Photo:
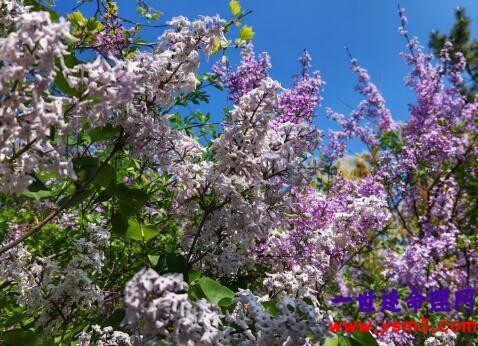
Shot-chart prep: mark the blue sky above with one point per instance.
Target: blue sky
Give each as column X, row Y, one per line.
column 324, row 28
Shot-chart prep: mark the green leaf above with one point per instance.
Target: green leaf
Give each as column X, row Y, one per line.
column 105, row 195
column 344, row 341
column 271, row 307
column 86, row 166
column 119, row 224
column 102, row 133
column 37, row 190
column 331, row 342
column 38, row 195
column 37, row 6
column 246, row 33
column 235, row 7
column 130, row 199
column 112, row 8
column 19, row 337
column 61, row 84
column 106, row 176
column 176, row 119
column 71, row 61
column 153, row 259
column 365, row 339
column 217, row 46
column 214, row 291
column 354, row 342
column 193, row 275
column 75, row 201
column 225, row 302
column 93, row 24
column 115, row 319
column 77, row 19
column 175, row 263
column 135, row 231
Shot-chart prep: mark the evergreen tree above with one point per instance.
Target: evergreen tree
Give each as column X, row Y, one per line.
column 461, row 37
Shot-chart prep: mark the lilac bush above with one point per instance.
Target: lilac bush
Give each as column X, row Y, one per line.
column 127, row 221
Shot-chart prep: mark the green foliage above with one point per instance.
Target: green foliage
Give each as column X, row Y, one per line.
column 38, row 190
column 271, row 307
column 104, row 133
column 214, row 292
column 364, row 339
column 331, row 341
column 136, row 231
column 391, row 140
column 20, row 337
column 461, row 38
column 112, row 8
column 219, row 45
column 61, row 84
column 148, row 12
column 84, row 29
column 344, row 341
column 88, row 167
column 38, row 6
column 246, row 33
column 357, row 339
column 77, row 19
column 235, row 7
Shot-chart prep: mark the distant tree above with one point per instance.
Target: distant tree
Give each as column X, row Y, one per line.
column 461, row 37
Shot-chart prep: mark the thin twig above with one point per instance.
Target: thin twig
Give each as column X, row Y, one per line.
column 64, row 205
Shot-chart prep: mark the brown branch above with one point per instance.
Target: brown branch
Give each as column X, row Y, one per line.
column 22, row 151
column 197, row 234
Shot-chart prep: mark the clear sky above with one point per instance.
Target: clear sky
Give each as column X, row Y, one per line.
column 324, row 28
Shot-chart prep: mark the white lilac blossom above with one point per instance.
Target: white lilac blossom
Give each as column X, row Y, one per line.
column 260, row 152
column 170, row 69
column 105, row 92
column 9, row 12
column 160, row 304
column 296, row 323
column 247, row 176
column 106, row 336
column 57, row 293
column 447, row 338
column 28, row 110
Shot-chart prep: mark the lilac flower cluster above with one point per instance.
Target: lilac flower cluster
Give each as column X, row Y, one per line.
column 417, row 167
column 321, row 231
column 372, row 109
column 299, row 103
column 248, row 74
column 159, row 306
column 112, row 39
column 58, row 291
